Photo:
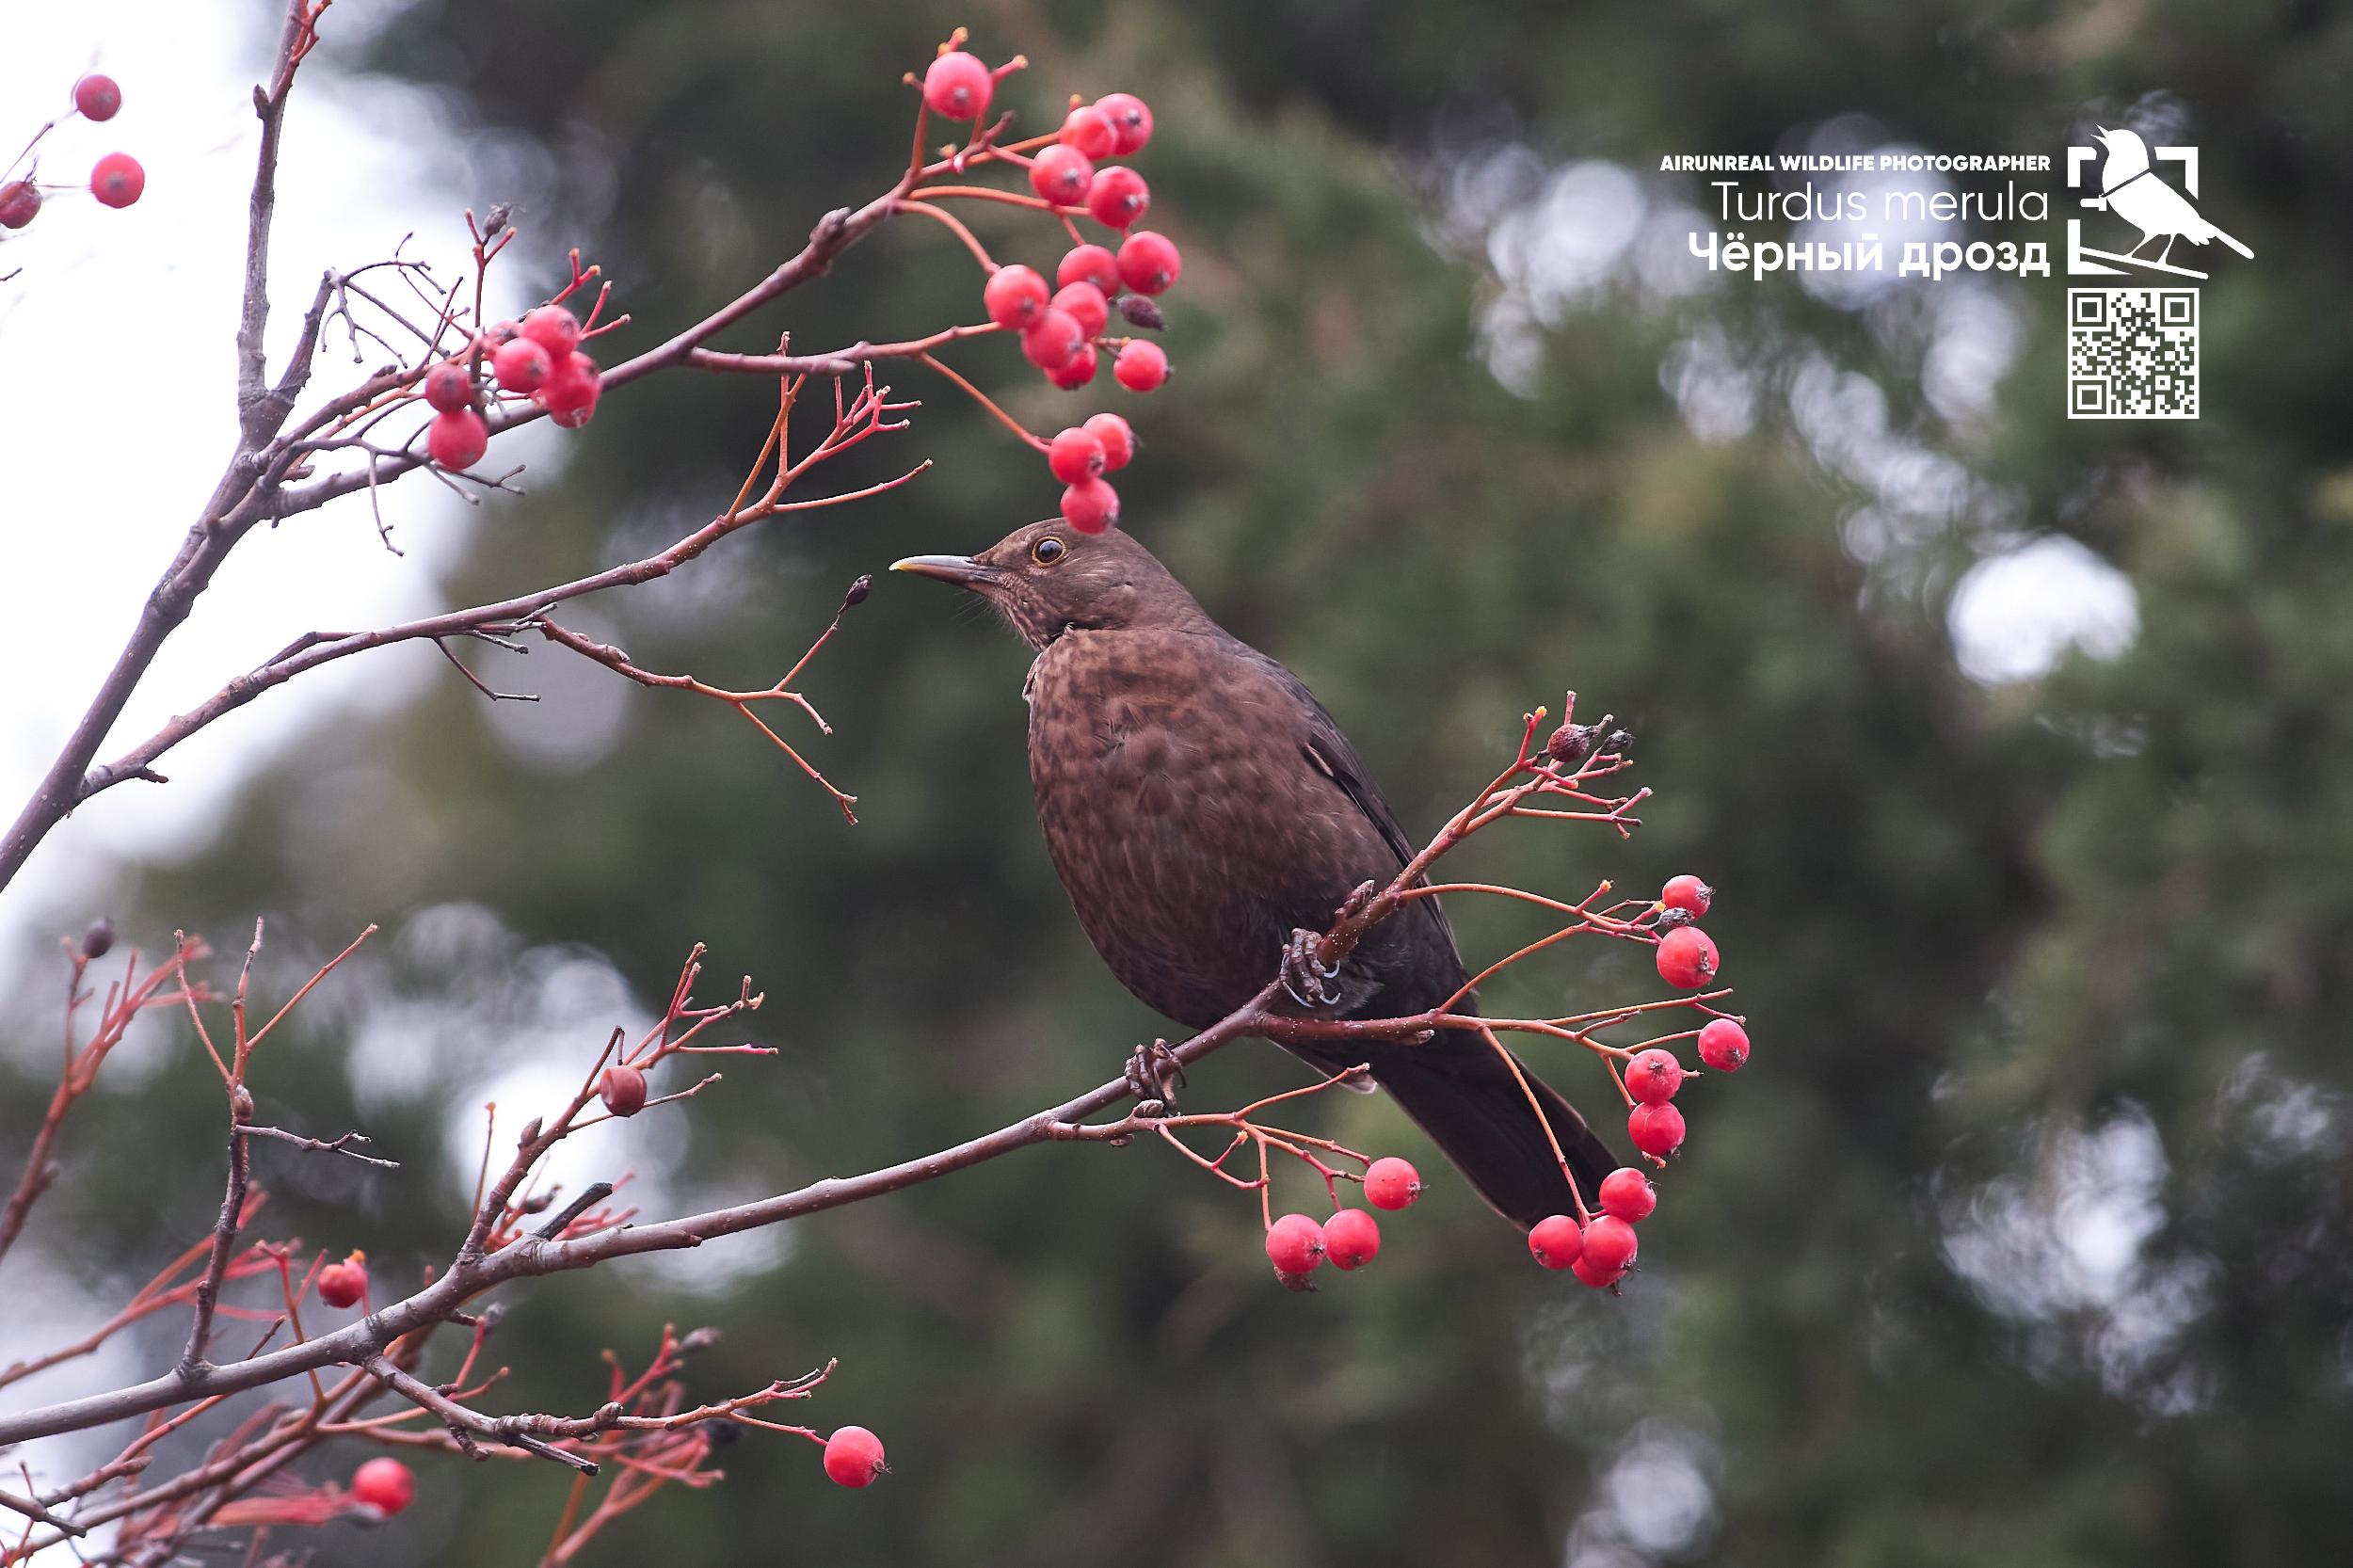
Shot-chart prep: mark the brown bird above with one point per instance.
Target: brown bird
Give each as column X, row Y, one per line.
column 1203, row 810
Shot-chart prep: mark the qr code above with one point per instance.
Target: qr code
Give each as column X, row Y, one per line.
column 2131, row 353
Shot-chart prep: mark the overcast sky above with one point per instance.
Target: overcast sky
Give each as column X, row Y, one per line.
column 117, row 409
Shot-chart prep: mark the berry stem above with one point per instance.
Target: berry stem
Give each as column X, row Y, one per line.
column 907, row 204
column 989, row 193
column 982, row 399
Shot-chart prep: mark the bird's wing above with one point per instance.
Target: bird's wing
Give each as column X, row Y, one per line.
column 1330, row 751
column 1328, row 748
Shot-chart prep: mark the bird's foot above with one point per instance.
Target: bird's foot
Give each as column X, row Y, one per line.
column 1305, row 976
column 1154, row 1076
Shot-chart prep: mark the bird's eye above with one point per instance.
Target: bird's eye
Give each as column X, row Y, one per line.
column 1048, row 551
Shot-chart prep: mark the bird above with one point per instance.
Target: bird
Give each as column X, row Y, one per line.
column 2130, row 188
column 1208, row 818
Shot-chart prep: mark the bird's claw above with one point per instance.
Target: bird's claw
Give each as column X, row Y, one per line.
column 1305, row 976
column 1154, row 1076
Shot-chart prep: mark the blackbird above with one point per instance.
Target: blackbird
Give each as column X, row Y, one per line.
column 1203, row 810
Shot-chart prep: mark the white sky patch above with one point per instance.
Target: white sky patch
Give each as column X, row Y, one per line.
column 2017, row 613
column 119, row 411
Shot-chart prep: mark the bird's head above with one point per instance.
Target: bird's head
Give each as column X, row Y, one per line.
column 1049, row 578
column 2125, row 145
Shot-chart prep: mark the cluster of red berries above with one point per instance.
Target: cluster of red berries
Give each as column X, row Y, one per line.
column 1687, row 960
column 1600, row 1251
column 1063, row 325
column 1080, row 457
column 538, row 358
column 1686, row 956
column 1297, row 1245
column 117, row 180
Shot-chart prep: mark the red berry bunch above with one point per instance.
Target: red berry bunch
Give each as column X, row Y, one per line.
column 1687, row 960
column 538, row 358
column 1080, row 457
column 1062, row 326
column 385, row 1485
column 1297, row 1245
column 117, row 180
column 1600, row 1251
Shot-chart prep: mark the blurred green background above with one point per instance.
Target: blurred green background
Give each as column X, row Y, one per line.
column 2023, row 1240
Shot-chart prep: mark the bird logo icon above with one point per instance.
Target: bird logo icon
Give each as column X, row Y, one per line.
column 2130, row 188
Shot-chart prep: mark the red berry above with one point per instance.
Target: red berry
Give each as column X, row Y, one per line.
column 458, row 439
column 1294, row 1243
column 1090, row 506
column 1687, row 958
column 1556, row 1242
column 344, row 1283
column 1723, row 1045
column 1131, row 123
column 1141, row 366
column 1656, row 1129
column 1077, row 372
column 1118, row 197
column 1654, row 1076
column 1687, row 892
column 1599, row 1279
column 1148, row 262
column 1389, row 1183
column 384, row 1484
column 1627, row 1193
column 1075, row 455
column 1119, row 444
column 1352, row 1238
column 1053, row 340
column 958, row 86
column 522, row 364
column 1015, row 296
column 118, row 180
column 622, row 1089
column 1086, row 305
column 448, row 388
column 21, row 199
column 1089, row 263
column 97, row 97
column 553, row 328
column 853, row 1456
column 1062, row 175
column 1610, row 1245
column 571, row 391
column 1091, row 131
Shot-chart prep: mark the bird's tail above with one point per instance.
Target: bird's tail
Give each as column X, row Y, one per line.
column 1464, row 1093
column 2229, row 241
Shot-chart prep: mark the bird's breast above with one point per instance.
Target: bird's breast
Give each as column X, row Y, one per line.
column 1176, row 807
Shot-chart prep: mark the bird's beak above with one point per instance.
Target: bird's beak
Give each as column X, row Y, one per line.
column 960, row 570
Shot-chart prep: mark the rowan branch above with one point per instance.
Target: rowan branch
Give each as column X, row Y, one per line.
column 497, row 1248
